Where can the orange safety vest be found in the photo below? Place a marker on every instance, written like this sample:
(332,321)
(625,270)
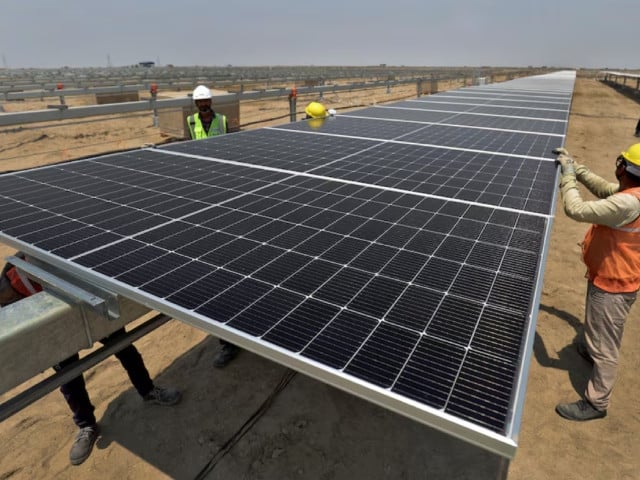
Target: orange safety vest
(21,284)
(612,255)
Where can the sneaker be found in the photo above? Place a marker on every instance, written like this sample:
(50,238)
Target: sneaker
(164,396)
(83,444)
(579,411)
(584,352)
(227,353)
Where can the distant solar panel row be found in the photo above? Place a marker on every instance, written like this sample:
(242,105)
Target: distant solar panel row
(395,258)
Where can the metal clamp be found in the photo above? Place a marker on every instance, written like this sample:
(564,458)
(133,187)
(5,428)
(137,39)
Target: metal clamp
(105,306)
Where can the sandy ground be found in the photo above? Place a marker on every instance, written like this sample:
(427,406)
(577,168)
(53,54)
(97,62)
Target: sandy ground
(313,431)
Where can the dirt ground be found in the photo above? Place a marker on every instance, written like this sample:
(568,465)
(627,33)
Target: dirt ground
(311,430)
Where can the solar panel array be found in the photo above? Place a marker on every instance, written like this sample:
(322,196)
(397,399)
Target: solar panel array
(395,252)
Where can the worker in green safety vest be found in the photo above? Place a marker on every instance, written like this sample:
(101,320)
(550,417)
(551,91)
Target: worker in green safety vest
(206,123)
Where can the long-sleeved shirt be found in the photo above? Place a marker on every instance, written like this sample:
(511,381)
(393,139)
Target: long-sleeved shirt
(610,210)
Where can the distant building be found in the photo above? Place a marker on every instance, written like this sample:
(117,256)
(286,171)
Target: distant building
(146,64)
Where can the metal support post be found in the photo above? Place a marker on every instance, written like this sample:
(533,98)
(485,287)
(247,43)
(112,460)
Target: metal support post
(154,96)
(60,86)
(419,87)
(293,95)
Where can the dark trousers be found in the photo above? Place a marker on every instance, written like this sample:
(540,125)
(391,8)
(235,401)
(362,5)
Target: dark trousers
(638,129)
(75,391)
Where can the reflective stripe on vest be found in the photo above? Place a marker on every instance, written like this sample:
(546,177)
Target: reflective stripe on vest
(196,129)
(612,255)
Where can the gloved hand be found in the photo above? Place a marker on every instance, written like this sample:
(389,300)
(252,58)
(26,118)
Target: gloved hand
(561,150)
(566,162)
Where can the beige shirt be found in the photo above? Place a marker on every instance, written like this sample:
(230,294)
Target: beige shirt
(611,210)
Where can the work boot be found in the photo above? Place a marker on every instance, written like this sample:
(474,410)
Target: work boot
(584,352)
(83,444)
(227,353)
(579,411)
(164,396)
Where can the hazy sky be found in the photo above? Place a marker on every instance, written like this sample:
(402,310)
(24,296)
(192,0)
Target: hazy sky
(74,33)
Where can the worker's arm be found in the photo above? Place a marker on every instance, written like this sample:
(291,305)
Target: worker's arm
(613,211)
(597,185)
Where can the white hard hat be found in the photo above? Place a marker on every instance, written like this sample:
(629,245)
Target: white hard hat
(201,93)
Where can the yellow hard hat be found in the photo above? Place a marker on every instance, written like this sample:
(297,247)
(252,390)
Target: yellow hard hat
(316,110)
(632,155)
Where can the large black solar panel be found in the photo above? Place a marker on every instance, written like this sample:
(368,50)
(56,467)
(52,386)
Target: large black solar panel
(275,149)
(506,181)
(472,119)
(356,127)
(300,251)
(488,108)
(353,251)
(493,101)
(500,141)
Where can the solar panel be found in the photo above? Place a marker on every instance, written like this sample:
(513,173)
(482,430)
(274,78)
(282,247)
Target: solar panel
(472,119)
(397,260)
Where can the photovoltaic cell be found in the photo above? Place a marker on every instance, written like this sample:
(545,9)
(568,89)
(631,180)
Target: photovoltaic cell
(400,260)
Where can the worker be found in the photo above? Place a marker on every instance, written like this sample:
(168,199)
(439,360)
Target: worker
(637,134)
(14,286)
(205,123)
(611,252)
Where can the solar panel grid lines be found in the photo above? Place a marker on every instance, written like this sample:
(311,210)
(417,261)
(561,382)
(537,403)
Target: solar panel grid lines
(434,135)
(165,238)
(398,185)
(489,109)
(481,121)
(470,96)
(421,115)
(361,253)
(493,104)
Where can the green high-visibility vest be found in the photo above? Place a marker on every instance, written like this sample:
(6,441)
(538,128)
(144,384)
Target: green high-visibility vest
(196,129)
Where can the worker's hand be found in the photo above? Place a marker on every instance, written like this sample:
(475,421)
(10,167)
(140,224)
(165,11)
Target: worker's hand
(566,162)
(561,151)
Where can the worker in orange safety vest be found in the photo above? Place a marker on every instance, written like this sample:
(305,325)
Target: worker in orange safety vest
(611,253)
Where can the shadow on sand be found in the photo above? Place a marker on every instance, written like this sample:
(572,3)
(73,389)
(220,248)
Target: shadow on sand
(567,358)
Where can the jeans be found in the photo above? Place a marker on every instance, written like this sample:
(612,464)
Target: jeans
(75,391)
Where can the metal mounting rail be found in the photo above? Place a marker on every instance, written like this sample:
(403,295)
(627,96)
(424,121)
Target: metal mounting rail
(55,114)
(105,306)
(26,398)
